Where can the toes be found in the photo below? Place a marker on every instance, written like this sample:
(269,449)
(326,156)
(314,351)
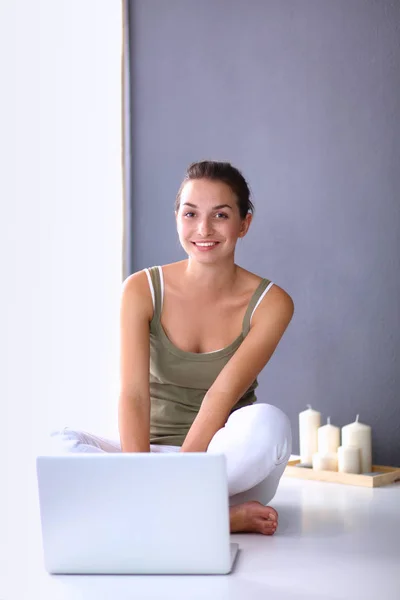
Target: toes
(257,518)
(273,515)
(267,512)
(268,527)
(265,527)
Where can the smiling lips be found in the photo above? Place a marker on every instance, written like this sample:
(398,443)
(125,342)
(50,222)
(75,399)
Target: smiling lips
(204,246)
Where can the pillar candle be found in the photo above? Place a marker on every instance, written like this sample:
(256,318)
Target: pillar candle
(328,438)
(325,462)
(359,435)
(309,421)
(349,459)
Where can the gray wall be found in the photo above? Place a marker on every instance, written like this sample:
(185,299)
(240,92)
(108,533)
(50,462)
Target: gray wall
(304,97)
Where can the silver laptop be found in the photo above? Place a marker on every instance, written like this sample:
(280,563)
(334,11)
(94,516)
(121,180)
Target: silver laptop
(135,513)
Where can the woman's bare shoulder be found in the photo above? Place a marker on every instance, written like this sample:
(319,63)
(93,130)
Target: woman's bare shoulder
(136,292)
(135,282)
(275,294)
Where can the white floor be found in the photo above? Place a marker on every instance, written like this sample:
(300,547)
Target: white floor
(333,542)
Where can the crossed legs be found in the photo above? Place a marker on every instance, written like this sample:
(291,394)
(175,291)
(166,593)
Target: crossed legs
(256,441)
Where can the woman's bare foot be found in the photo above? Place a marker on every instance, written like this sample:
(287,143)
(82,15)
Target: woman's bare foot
(253,517)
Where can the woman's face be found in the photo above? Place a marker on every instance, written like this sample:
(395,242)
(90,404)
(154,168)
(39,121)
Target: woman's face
(208,220)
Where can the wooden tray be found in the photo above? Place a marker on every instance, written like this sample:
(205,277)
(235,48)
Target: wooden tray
(383,476)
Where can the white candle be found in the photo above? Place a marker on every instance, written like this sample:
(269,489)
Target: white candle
(328,438)
(359,435)
(309,421)
(325,462)
(349,459)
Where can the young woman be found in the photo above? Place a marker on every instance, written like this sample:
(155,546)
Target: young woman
(194,336)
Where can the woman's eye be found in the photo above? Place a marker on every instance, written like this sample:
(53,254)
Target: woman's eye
(218,215)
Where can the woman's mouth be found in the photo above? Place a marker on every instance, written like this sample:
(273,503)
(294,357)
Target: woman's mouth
(205,246)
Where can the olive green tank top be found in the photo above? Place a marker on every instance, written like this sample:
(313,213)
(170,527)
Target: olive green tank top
(179,380)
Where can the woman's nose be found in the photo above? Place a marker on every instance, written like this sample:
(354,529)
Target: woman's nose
(205,227)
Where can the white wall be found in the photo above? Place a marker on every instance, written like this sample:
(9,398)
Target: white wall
(60,222)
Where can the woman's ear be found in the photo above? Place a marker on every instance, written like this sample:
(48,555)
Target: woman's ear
(245,225)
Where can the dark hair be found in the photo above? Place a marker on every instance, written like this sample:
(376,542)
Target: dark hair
(224,172)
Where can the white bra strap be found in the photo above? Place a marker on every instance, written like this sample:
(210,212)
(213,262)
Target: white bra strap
(261,297)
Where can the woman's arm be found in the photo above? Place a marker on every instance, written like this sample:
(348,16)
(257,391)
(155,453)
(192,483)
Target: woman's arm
(269,323)
(134,398)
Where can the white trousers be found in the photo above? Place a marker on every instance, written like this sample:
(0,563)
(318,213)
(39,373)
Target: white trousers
(256,441)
